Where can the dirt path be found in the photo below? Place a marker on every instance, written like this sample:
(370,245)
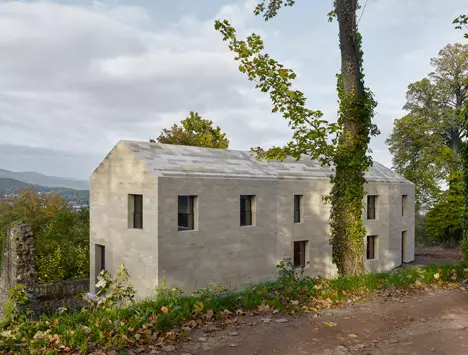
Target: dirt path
(423,323)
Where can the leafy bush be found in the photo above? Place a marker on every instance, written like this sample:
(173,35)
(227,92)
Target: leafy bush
(114,292)
(16,308)
(170,312)
(63,244)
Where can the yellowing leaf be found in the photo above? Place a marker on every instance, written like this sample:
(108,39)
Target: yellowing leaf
(352,335)
(436,276)
(198,307)
(164,309)
(330,324)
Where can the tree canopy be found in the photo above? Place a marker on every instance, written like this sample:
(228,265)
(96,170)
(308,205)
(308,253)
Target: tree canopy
(426,143)
(194,131)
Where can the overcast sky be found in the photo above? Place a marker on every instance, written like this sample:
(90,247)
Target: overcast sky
(76,76)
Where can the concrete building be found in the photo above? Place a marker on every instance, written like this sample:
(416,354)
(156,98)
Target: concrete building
(192,216)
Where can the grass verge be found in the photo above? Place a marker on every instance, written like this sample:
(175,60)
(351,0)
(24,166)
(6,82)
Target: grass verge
(171,314)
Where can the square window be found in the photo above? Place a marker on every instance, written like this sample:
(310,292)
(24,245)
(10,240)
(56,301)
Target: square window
(247,210)
(297,208)
(300,254)
(404,205)
(186,213)
(371,206)
(135,211)
(371,250)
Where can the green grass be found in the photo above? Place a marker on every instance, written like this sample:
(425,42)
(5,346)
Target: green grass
(169,309)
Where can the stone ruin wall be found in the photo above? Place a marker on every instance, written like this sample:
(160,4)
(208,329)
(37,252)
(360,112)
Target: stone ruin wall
(18,267)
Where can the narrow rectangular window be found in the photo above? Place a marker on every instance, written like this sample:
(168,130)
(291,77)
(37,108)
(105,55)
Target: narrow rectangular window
(403,242)
(247,210)
(297,208)
(186,213)
(371,247)
(100,259)
(404,207)
(300,254)
(135,211)
(371,206)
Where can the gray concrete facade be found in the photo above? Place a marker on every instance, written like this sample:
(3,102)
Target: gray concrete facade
(219,249)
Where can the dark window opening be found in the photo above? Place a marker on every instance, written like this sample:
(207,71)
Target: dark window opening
(246,210)
(186,213)
(404,201)
(403,242)
(371,247)
(297,208)
(300,254)
(100,259)
(135,211)
(371,206)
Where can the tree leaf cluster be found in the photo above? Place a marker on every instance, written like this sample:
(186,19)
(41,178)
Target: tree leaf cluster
(194,131)
(426,143)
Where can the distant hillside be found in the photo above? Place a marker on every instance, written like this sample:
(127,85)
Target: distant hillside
(11,186)
(31,177)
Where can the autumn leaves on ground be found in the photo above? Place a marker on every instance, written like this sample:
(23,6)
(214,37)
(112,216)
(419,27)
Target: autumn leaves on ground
(168,320)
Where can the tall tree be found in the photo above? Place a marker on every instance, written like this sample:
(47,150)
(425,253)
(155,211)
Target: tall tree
(462,23)
(343,145)
(426,143)
(194,131)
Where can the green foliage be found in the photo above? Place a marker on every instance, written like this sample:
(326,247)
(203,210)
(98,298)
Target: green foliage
(343,144)
(420,228)
(426,143)
(50,267)
(115,292)
(194,131)
(287,271)
(62,247)
(62,236)
(170,312)
(444,222)
(269,8)
(16,307)
(461,22)
(310,131)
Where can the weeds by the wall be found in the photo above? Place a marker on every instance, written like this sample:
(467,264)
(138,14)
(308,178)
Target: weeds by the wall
(170,314)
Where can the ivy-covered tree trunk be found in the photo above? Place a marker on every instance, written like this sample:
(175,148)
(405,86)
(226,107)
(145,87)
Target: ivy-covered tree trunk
(343,144)
(351,161)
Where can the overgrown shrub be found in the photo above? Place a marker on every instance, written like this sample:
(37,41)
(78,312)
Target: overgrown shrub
(16,307)
(107,326)
(114,292)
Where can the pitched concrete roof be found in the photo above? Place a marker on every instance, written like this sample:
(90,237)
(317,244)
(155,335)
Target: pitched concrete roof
(178,161)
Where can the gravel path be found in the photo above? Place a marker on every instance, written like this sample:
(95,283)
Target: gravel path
(433,322)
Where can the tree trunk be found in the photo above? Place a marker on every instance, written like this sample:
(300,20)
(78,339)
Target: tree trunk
(348,232)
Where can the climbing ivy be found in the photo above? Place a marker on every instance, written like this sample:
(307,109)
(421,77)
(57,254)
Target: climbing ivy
(342,145)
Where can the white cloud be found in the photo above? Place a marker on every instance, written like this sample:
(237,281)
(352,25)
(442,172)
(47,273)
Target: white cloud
(79,78)
(82,78)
